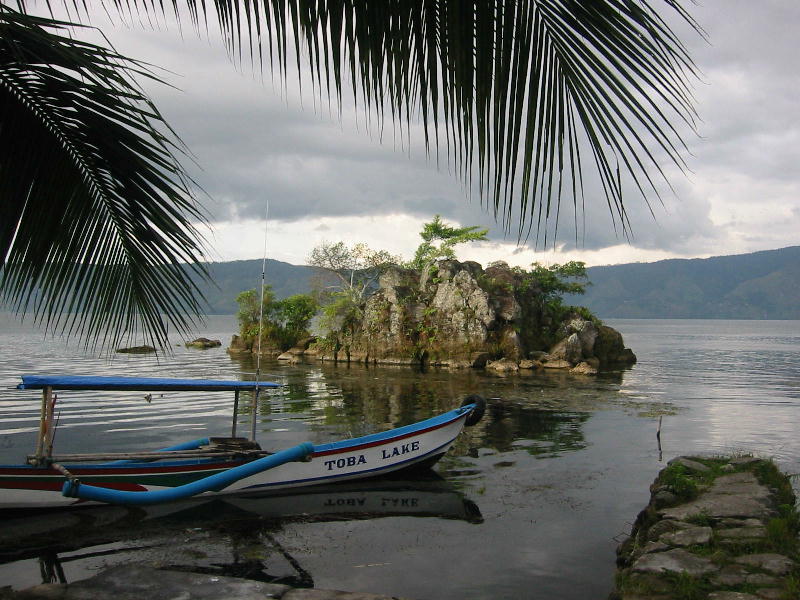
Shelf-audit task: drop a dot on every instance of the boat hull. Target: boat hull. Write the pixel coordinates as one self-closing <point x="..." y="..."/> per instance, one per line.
<point x="412" y="446"/>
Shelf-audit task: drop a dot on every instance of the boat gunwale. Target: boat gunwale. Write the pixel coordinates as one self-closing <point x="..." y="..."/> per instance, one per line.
<point x="376" y="439"/>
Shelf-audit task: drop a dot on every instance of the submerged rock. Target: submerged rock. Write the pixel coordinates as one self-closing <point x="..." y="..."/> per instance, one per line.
<point x="530" y="364"/>
<point x="136" y="350"/>
<point x="136" y="582"/>
<point x="203" y="343"/>
<point x="503" y="365"/>
<point x="557" y="364"/>
<point x="584" y="368"/>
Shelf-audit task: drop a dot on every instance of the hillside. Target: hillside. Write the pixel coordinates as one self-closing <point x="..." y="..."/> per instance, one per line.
<point x="760" y="285"/>
<point x="239" y="275"/>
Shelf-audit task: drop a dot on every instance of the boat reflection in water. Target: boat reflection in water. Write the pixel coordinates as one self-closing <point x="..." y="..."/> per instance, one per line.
<point x="237" y="534"/>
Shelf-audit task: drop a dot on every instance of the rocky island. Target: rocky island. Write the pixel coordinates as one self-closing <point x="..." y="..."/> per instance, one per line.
<point x="460" y="315"/>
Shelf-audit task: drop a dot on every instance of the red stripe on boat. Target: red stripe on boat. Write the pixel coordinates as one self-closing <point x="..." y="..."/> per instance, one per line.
<point x="135" y="469"/>
<point x="55" y="486"/>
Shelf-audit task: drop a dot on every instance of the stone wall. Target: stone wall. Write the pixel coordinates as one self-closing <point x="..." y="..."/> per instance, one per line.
<point x="721" y="529"/>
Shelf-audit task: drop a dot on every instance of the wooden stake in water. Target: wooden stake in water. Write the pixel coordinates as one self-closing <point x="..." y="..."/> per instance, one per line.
<point x="658" y="437"/>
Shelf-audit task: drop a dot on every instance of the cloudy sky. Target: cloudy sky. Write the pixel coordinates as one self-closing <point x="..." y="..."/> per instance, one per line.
<point x="326" y="178"/>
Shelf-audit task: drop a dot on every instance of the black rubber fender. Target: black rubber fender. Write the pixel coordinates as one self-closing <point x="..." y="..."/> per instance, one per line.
<point x="476" y="414"/>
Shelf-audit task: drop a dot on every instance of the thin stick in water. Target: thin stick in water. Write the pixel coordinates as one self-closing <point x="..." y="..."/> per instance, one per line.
<point x="658" y="437"/>
<point x="260" y="325"/>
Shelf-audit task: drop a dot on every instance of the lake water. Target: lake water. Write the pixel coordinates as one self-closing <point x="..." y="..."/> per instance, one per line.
<point x="529" y="504"/>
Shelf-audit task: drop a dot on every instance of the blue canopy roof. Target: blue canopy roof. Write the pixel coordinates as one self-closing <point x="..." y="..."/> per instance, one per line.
<point x="146" y="384"/>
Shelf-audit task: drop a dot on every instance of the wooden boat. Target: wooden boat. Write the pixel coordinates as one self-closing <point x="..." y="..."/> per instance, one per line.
<point x="209" y="466"/>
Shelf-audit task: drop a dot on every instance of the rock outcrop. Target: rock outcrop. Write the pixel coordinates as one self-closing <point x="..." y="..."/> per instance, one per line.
<point x="241" y="347"/>
<point x="461" y="315"/>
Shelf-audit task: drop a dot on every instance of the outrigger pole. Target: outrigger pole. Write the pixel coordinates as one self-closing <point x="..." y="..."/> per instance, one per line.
<point x="260" y="326"/>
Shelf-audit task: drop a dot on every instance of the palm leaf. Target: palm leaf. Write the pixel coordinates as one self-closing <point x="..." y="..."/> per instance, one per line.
<point x="96" y="213"/>
<point x="522" y="89"/>
<point x="519" y="93"/>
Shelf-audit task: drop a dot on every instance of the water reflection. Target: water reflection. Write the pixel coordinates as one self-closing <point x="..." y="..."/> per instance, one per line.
<point x="234" y="536"/>
<point x="337" y="401"/>
<point x="542" y="433"/>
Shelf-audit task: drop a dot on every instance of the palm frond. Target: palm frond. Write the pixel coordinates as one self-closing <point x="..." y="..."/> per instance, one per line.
<point x="96" y="211"/>
<point x="520" y="93"/>
<point x="519" y="87"/>
<point x="522" y="89"/>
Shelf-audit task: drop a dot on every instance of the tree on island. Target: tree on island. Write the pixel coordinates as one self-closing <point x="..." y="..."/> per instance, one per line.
<point x="461" y="315"/>
<point x="429" y="252"/>
<point x="357" y="267"/>
<point x="552" y="283"/>
<point x="97" y="211"/>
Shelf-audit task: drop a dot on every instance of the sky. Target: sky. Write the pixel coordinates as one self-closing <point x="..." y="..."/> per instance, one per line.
<point x="262" y="149"/>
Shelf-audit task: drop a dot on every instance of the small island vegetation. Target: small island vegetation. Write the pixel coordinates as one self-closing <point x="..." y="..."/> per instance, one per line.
<point x="282" y="323"/>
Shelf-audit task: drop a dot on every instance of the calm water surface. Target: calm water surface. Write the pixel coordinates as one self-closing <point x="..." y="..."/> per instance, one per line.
<point x="527" y="505"/>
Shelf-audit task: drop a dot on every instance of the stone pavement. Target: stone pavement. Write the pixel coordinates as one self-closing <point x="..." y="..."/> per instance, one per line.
<point x="138" y="582"/>
<point x="716" y="529"/>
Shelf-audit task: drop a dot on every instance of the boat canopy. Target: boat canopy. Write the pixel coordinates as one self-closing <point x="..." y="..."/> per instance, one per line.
<point x="145" y="384"/>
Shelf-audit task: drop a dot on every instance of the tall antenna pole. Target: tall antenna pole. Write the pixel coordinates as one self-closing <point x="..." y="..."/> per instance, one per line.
<point x="260" y="326"/>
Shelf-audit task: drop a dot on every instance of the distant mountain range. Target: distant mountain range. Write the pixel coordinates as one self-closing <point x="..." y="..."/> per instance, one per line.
<point x="760" y="285"/>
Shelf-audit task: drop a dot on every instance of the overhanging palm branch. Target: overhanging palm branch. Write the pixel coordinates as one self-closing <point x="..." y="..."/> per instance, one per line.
<point x="519" y="90"/>
<point x="96" y="211"/>
<point x="519" y="93"/>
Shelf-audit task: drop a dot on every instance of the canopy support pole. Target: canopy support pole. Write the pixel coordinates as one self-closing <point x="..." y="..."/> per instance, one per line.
<point x="45" y="418"/>
<point x="235" y="413"/>
<point x="255" y="415"/>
